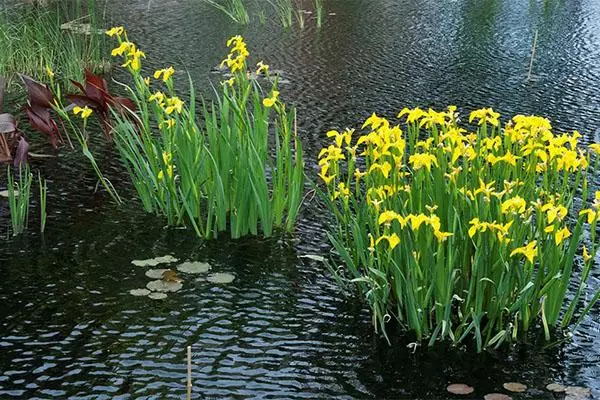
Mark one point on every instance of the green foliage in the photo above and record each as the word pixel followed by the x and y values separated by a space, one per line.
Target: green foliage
pixel 235 9
pixel 460 235
pixel 43 194
pixel 223 173
pixel 18 198
pixel 32 40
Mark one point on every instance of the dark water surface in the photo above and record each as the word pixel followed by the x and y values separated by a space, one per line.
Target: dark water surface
pixel 70 329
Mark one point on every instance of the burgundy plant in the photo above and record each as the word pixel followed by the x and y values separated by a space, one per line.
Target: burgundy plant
pixel 95 95
pixel 9 132
pixel 39 104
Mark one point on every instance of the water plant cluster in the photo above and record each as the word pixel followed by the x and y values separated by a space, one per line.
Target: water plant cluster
pixel 286 11
pixel 464 231
pixel 220 173
pixel 63 36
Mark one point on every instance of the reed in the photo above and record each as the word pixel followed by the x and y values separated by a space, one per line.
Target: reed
pixel 235 9
pixel 18 198
pixel 223 173
pixel 459 235
pixel 319 9
pixel 31 39
pixel 43 186
pixel 285 12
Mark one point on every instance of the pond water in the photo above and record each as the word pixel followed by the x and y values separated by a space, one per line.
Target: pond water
pixel 69 327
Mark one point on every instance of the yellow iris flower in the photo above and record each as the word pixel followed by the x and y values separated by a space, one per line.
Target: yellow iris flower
pixel 530 251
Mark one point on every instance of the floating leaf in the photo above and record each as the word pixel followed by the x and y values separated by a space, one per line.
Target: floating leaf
pixel 155 273
pixel 577 393
pixel 460 388
pixel 220 277
pixel 152 262
pixel 163 286
pixel 497 396
pixel 171 276
pixel 556 388
pixel 139 292
pixel 157 296
pixel 193 267
pixel 515 387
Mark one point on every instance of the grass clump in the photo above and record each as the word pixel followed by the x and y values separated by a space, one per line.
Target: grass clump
pixel 223 173
pixel 62 36
pixel 461 234
pixel 18 198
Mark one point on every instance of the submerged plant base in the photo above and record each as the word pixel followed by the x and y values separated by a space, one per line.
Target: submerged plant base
pixel 464 231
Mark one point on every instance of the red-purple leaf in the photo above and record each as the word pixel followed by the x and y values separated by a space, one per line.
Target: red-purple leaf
pixel 38 93
pixel 94 94
pixel 41 120
pixel 8 124
pixel 21 151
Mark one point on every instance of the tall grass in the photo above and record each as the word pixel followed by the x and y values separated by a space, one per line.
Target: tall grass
pixel 464 232
pixel 235 9
pixel 223 173
pixel 18 198
pixel 285 11
pixel 32 40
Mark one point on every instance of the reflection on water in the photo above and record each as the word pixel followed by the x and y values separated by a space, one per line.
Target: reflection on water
pixel 70 328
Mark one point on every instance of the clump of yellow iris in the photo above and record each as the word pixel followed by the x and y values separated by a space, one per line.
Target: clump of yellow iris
pixel 128 50
pixel 236 59
pixel 477 199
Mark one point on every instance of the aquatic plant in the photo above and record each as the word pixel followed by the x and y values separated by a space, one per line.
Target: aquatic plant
pixel 43 195
pixel 319 8
pixel 18 198
pixel 285 11
pixel 221 174
pixel 34 38
pixel 462 234
pixel 234 9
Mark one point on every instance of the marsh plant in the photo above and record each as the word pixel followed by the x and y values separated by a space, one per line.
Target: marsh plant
pixel 241 169
pixel 460 232
pixel 31 39
pixel 19 191
pixel 43 186
pixel 234 9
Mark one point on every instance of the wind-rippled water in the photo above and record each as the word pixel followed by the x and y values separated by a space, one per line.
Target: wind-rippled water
pixel 70 329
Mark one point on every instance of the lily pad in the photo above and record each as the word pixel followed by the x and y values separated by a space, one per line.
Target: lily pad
pixel 193 267
pixel 139 292
pixel 497 396
pixel 577 393
pixel 516 387
pixel 157 296
pixel 155 273
pixel 460 388
pixel 152 262
pixel 220 277
pixel 556 387
pixel 162 286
